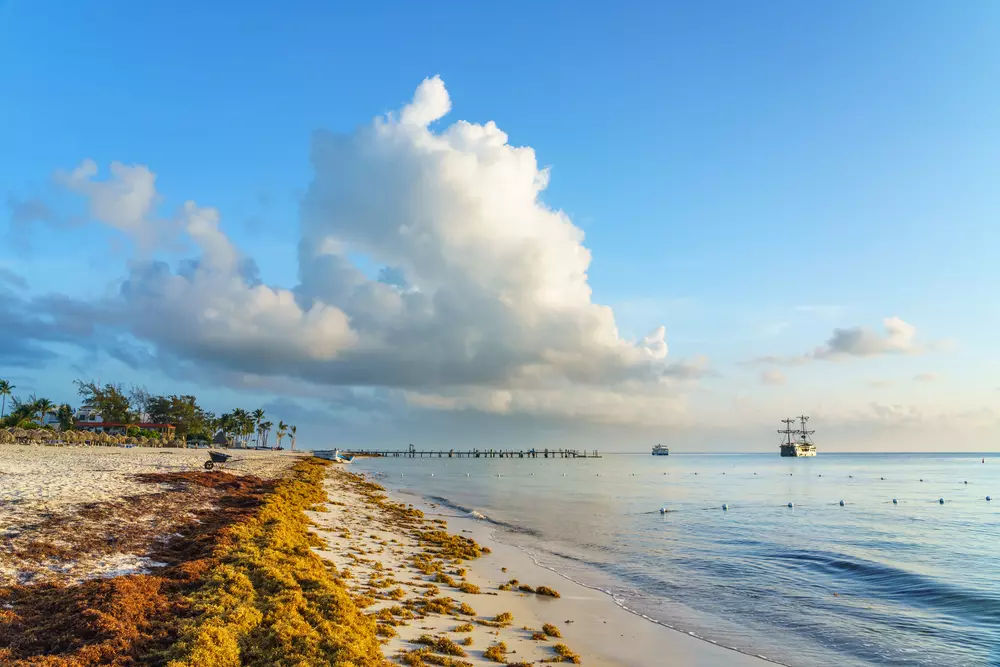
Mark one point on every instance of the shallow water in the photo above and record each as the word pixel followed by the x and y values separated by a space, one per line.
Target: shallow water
pixel 867 583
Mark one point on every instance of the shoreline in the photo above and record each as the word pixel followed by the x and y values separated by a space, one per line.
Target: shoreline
pixel 592 623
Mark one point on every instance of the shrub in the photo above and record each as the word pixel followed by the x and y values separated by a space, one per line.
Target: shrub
pixel 465 627
pixel 466 587
pixel 545 590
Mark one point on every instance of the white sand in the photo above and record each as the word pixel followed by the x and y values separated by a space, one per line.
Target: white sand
pixel 591 623
pixel 39 483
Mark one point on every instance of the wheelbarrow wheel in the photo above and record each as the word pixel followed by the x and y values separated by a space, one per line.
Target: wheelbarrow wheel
pixel 209 465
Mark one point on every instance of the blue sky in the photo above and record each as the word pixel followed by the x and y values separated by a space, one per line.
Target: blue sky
pixel 750 176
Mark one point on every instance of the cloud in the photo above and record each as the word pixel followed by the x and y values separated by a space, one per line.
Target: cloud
pixel 125 201
pixel 863 342
pixel 482 299
pixel 899 338
pixel 879 384
pixel 926 377
pixel 27 211
pixel 13 279
pixel 772 377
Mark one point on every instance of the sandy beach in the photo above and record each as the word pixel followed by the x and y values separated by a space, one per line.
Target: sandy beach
pixel 378 554
pixel 60 506
pixel 116 556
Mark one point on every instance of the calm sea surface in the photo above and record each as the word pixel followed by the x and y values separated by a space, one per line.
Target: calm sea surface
pixel 867 583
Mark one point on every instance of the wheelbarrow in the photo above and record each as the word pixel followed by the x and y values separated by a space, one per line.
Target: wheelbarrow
pixel 217 459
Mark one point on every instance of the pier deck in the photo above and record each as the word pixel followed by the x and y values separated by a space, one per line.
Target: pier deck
pixel 469 453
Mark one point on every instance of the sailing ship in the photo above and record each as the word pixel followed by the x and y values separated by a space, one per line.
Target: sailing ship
pixel 660 450
pixel 796 441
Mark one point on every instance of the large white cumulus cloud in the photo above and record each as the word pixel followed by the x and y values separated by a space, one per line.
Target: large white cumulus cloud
pixel 494 283
pixel 483 299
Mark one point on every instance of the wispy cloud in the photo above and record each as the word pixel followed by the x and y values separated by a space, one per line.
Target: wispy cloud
pixel 926 377
pixel 772 377
pixel 899 338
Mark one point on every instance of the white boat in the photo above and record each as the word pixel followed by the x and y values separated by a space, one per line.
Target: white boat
pixel 660 450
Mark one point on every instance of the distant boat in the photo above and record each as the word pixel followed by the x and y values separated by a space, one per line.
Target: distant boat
pixel 797 442
pixel 660 450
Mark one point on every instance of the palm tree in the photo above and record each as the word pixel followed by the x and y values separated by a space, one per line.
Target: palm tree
pixel 282 430
pixel 5 389
pixel 258 416
pixel 262 431
pixel 240 418
pixel 43 406
pixel 293 429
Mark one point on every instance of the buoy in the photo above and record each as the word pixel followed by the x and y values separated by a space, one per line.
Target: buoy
pixel 851 476
pixel 966 481
pixel 988 498
pixel 432 474
pixel 921 479
pixel 895 502
pixel 791 504
pixel 882 478
pixel 821 475
pixel 725 506
pixel 841 503
pixel 941 501
pixel 663 510
pixel 466 474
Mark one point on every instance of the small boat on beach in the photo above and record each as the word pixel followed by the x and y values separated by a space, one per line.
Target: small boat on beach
pixel 661 450
pixel 797 442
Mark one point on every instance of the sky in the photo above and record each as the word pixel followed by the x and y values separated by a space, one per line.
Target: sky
pixel 546 224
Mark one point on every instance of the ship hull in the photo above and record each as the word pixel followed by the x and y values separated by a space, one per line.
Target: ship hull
pixel 797 450
pixel 661 453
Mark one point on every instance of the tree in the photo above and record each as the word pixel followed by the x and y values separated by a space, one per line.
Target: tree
pixel 42 407
pixel 182 412
pixel 140 399
pixel 109 400
pixel 240 420
pixel 22 413
pixel 293 429
pixel 282 431
pixel 262 430
pixel 5 390
pixel 258 416
pixel 65 415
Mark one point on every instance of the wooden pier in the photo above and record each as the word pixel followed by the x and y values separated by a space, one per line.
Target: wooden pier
pixel 475 453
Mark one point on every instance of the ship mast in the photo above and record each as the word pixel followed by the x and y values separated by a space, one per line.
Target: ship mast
pixel 788 432
pixel 803 433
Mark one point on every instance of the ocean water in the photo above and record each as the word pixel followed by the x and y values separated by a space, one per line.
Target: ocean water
pixel 868 583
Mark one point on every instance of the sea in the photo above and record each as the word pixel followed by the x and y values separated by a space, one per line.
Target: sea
pixel 786 571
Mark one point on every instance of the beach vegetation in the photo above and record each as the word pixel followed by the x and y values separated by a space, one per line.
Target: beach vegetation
pixel 565 654
pixel 441 645
pixel 423 656
pixel 545 590
pixel 467 587
pixel 551 630
pixel 496 652
pixel 269 600
pixel 464 627
pixel 539 636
